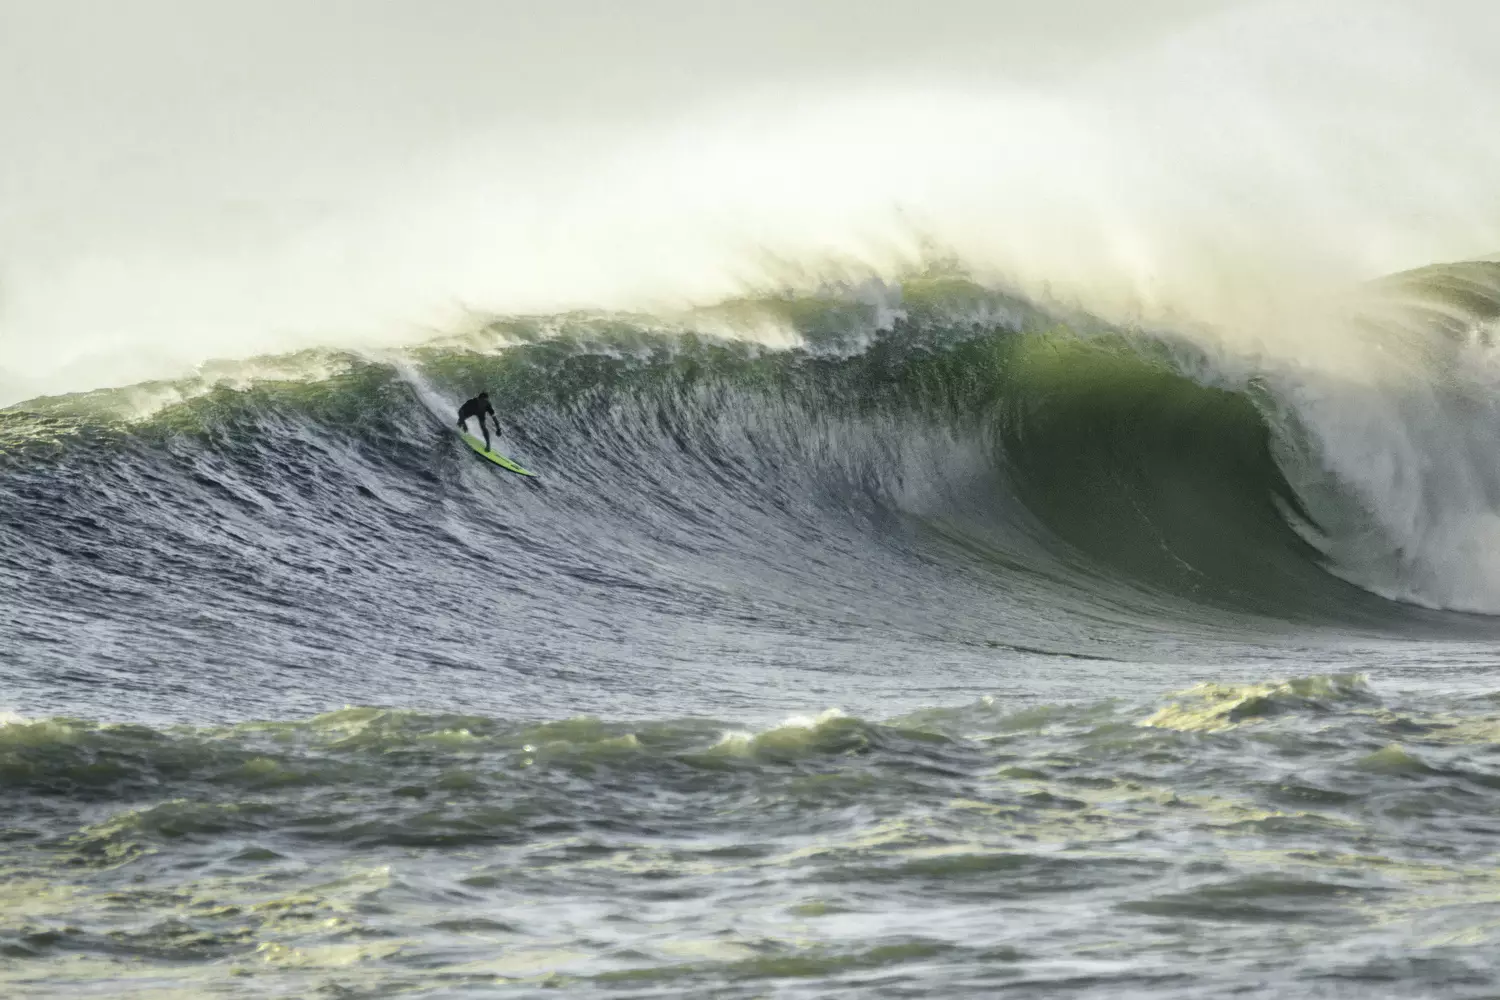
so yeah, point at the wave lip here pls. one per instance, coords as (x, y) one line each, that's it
(938, 438)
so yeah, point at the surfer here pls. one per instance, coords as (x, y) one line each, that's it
(478, 407)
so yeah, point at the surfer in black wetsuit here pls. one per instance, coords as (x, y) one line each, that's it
(478, 407)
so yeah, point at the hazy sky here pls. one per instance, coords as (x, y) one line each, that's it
(182, 179)
(170, 98)
(377, 65)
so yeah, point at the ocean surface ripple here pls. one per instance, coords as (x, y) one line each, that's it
(952, 646)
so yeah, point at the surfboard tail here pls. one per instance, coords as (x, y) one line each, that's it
(494, 456)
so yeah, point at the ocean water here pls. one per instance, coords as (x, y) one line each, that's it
(960, 647)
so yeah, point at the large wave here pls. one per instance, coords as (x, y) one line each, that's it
(938, 461)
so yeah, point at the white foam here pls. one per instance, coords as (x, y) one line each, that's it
(1394, 452)
(809, 721)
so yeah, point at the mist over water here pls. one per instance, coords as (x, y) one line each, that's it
(1229, 168)
(1017, 500)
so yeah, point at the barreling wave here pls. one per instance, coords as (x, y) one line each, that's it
(943, 445)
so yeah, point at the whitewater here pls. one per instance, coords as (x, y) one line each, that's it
(989, 541)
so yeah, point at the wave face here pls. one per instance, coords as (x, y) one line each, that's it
(844, 664)
(1050, 484)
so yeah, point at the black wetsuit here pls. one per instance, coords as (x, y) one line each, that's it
(478, 407)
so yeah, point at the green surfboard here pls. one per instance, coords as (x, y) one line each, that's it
(493, 456)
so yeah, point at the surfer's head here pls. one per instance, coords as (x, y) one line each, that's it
(484, 394)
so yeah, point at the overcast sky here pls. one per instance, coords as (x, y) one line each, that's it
(163, 98)
(379, 65)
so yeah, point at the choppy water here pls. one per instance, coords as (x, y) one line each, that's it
(973, 651)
